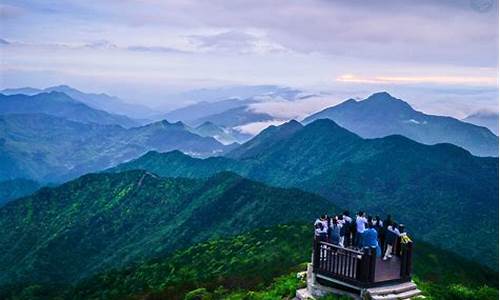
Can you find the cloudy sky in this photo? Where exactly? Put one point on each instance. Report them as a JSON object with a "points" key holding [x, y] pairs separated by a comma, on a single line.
{"points": [[441, 56]]}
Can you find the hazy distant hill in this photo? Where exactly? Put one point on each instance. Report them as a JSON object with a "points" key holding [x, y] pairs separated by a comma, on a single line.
{"points": [[486, 119], [440, 184], [234, 117], [191, 113], [16, 188], [47, 148], [99, 221], [381, 115], [98, 101], [60, 105]]}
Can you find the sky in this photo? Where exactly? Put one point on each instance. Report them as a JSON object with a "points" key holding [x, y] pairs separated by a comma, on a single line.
{"points": [[440, 56]]}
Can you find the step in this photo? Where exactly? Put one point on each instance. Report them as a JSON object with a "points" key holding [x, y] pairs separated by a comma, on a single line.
{"points": [[405, 295], [392, 289]]}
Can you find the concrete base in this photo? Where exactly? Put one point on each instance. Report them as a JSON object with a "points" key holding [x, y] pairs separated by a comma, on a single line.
{"points": [[315, 290]]}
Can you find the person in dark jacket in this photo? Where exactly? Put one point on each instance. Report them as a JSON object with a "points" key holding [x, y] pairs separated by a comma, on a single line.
{"points": [[391, 237]]}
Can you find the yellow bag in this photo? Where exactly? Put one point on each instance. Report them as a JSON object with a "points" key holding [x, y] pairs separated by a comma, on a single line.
{"points": [[405, 239]]}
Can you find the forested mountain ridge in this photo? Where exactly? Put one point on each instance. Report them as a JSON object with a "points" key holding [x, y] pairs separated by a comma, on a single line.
{"points": [[431, 187], [246, 266], [101, 221]]}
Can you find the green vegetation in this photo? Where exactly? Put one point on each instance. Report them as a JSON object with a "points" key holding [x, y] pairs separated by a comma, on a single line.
{"points": [[261, 264], [102, 221], [442, 192]]}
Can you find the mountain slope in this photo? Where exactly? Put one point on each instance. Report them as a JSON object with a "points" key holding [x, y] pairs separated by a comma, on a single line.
{"points": [[266, 140], [46, 148], [60, 105], [394, 175], [16, 188], [251, 260], [97, 101], [100, 221], [486, 119], [381, 115]]}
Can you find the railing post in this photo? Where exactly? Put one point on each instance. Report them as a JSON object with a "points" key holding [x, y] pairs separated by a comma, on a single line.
{"points": [[373, 262], [363, 266], [316, 254], [409, 254], [404, 261]]}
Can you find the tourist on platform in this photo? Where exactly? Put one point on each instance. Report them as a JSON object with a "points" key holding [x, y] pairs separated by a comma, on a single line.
{"points": [[379, 226], [370, 239], [334, 231], [391, 236], [361, 222], [348, 227], [320, 232], [342, 232], [321, 228]]}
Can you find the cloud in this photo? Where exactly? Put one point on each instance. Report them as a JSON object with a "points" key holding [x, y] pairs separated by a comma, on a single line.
{"points": [[10, 11], [256, 127], [234, 42], [477, 80]]}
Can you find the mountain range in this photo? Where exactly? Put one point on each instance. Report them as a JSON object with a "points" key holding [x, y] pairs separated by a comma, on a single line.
{"points": [[46, 148], [381, 115], [430, 187], [107, 220], [60, 105], [99, 101]]}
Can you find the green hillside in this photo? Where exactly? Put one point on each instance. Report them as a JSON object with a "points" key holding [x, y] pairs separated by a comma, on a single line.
{"points": [[445, 195], [244, 267], [99, 221]]}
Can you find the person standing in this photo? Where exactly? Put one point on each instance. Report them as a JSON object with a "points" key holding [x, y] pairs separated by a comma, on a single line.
{"points": [[370, 239], [342, 232], [321, 228], [391, 236], [347, 229], [360, 228], [334, 232]]}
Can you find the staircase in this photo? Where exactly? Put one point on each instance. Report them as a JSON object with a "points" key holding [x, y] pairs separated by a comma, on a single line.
{"points": [[407, 290]]}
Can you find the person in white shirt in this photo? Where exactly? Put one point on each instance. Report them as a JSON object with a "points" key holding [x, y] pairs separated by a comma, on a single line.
{"points": [[360, 228], [321, 228]]}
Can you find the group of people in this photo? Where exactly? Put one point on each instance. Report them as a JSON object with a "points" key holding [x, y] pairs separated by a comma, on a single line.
{"points": [[360, 232]]}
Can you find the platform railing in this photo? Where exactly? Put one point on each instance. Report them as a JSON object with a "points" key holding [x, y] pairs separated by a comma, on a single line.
{"points": [[356, 267]]}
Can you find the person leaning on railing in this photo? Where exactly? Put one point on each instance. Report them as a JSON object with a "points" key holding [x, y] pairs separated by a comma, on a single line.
{"points": [[370, 238], [321, 228], [392, 233]]}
